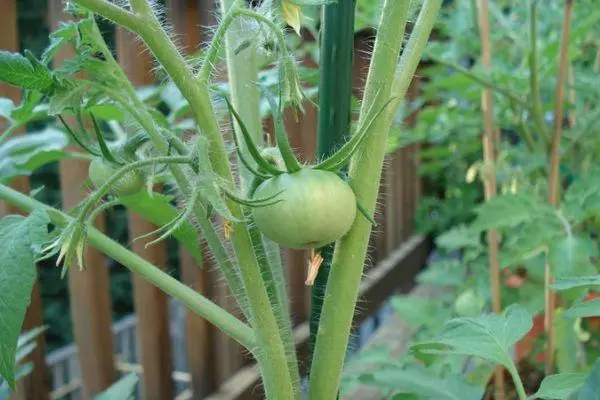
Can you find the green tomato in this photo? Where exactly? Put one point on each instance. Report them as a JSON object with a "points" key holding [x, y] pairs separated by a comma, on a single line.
{"points": [[131, 183], [315, 208], [469, 304]]}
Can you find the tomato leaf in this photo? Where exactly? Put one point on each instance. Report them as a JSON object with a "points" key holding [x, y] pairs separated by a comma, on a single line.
{"points": [[586, 309], [69, 97], [488, 336], [123, 389], [559, 386], [418, 380], [568, 350], [571, 256], [591, 387], [6, 107], [21, 155], [580, 281], [507, 210], [22, 240], [458, 238], [158, 210], [19, 71]]}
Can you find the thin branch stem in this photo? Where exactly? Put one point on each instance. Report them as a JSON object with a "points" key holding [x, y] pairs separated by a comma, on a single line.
{"points": [[262, 317], [536, 101], [489, 178], [553, 173], [187, 296]]}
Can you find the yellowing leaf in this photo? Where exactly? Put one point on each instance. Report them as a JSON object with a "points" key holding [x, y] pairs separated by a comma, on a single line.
{"points": [[291, 15]]}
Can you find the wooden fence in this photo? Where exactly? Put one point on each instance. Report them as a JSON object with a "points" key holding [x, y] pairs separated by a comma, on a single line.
{"points": [[217, 368]]}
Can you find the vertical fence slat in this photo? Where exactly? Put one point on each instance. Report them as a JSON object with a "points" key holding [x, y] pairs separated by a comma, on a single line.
{"points": [[89, 289], [150, 302], [35, 385]]}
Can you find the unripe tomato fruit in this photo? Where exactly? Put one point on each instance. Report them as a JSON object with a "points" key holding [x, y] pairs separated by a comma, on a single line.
{"points": [[315, 208], [469, 304], [130, 183]]}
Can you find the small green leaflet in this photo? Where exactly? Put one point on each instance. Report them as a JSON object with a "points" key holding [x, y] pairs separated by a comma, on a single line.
{"points": [[508, 210], [570, 256], [69, 97], [488, 336], [582, 199], [22, 240], [24, 72], [560, 386], [445, 272], [158, 210], [568, 349], [418, 380], [458, 237], [580, 281], [591, 387], [587, 309], [23, 154], [123, 389]]}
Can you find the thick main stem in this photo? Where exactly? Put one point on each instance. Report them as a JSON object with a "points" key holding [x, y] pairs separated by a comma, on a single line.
{"points": [[187, 296], [553, 172], [365, 173], [144, 23], [490, 188]]}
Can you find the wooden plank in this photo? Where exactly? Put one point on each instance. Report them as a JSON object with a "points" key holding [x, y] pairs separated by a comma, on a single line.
{"points": [[89, 290], [188, 17], [35, 385], [396, 272], [150, 302]]}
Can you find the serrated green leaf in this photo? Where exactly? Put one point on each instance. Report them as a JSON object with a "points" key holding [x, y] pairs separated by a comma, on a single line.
{"points": [[507, 210], [591, 386], [158, 210], [23, 154], [529, 240], [22, 239], [30, 100], [582, 198], [6, 107], [69, 97], [418, 380], [458, 237], [443, 273], [580, 281], [489, 336], [571, 256], [560, 386], [589, 308], [18, 71], [123, 389], [568, 352]]}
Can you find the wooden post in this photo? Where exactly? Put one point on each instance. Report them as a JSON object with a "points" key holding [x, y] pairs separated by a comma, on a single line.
{"points": [[89, 289], [35, 385], [150, 302], [188, 17]]}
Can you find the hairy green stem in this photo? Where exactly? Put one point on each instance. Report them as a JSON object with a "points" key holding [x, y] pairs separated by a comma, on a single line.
{"points": [[518, 384], [335, 95], [536, 101], [275, 372], [365, 172], [187, 296], [242, 70]]}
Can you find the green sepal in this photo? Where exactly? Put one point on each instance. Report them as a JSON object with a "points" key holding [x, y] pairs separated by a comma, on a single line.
{"points": [[106, 153], [89, 147], [291, 163], [252, 149], [365, 213], [343, 155]]}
